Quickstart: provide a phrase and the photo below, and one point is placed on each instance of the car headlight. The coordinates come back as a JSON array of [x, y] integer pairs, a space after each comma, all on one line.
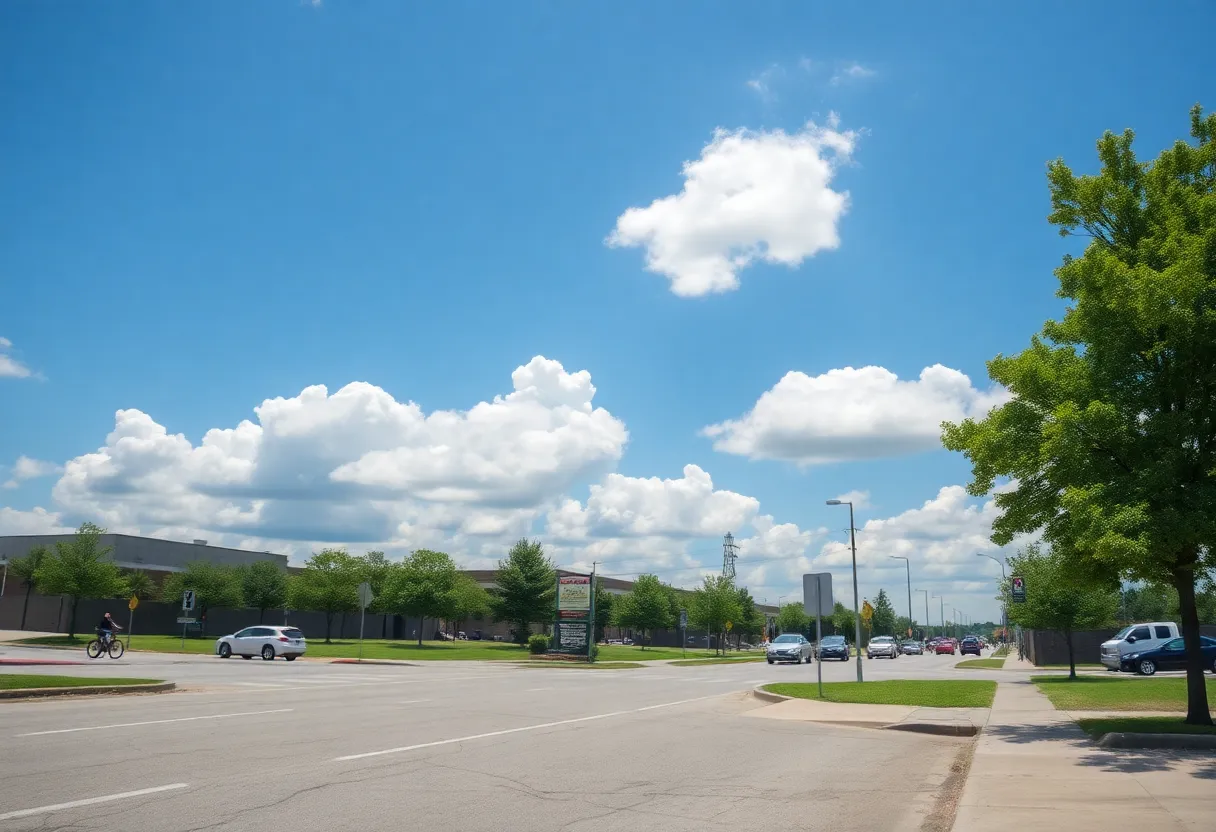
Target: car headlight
[[1132, 656]]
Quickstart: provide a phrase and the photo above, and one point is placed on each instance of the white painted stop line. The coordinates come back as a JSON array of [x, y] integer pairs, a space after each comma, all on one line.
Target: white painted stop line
[[74, 804]]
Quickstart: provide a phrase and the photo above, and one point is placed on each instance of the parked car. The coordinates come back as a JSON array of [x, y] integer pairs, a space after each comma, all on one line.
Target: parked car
[[1136, 638], [266, 642], [912, 648], [970, 645], [832, 647], [944, 646], [1169, 656], [788, 647], [883, 647]]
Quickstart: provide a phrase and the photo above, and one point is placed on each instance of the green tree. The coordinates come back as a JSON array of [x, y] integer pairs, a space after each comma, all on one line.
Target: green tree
[[527, 583], [328, 583], [751, 621], [376, 568], [791, 618], [844, 622], [263, 586], [139, 583], [1108, 439], [79, 568], [1058, 598], [713, 604], [424, 585], [214, 584], [646, 607], [471, 600], [605, 605], [26, 569], [883, 622]]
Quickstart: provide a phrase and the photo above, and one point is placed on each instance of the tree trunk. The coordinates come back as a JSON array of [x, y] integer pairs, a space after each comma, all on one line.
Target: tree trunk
[[1197, 711], [421, 628], [261, 615], [329, 620], [76, 602], [1072, 662], [29, 587]]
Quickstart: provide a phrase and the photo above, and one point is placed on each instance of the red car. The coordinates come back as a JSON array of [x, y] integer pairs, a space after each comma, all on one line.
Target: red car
[[946, 645]]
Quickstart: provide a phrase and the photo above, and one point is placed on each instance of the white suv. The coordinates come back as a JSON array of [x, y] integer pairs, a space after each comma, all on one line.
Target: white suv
[[884, 646], [263, 641]]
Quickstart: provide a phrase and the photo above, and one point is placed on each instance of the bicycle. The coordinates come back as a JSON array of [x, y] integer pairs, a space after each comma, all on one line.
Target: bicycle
[[111, 646]]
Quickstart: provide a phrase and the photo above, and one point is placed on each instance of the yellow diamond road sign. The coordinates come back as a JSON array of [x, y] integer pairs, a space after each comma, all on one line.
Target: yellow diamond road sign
[[867, 611], [729, 624], [133, 603]]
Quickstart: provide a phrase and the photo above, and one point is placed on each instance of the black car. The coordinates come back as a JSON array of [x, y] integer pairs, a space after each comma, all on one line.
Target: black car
[[1169, 656], [970, 644], [832, 647]]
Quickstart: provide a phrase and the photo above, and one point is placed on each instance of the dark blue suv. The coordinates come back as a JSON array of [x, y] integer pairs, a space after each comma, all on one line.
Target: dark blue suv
[[832, 647], [970, 644]]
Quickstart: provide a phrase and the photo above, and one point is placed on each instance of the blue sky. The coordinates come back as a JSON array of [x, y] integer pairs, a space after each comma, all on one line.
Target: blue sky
[[209, 205]]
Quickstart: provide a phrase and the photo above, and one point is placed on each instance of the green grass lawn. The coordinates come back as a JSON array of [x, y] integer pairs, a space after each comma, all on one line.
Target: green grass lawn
[[996, 663], [382, 649], [1001, 652], [914, 692], [1141, 725], [719, 660], [1111, 693], [20, 681], [1080, 666]]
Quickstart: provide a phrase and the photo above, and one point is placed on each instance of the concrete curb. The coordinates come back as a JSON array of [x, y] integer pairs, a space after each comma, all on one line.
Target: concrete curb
[[1186, 742], [98, 690], [941, 729], [38, 662]]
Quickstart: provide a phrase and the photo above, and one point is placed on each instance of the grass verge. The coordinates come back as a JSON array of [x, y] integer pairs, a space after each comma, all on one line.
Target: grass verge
[[21, 681], [719, 660], [1110, 693], [975, 663], [381, 649], [920, 693], [1096, 728], [1001, 652], [1080, 666]]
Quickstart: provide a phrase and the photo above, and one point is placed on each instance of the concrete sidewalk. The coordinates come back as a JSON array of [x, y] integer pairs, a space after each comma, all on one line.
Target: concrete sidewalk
[[949, 721], [1035, 769]]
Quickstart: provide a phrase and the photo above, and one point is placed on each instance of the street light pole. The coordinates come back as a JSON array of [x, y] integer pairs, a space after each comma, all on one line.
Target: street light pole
[[1004, 599], [927, 628], [911, 615], [856, 597]]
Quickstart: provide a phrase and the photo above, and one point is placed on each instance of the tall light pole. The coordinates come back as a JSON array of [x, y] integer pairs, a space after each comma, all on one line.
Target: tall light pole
[[856, 597], [942, 611], [1004, 600], [908, 567], [926, 612]]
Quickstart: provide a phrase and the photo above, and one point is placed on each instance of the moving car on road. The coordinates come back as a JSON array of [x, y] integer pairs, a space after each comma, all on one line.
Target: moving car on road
[[266, 642], [944, 646], [1169, 656], [832, 647], [788, 647], [970, 645], [883, 647], [912, 648]]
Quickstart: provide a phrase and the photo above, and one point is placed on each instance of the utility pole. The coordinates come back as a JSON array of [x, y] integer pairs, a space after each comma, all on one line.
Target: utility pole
[[926, 612], [942, 612], [911, 615], [856, 596], [730, 553]]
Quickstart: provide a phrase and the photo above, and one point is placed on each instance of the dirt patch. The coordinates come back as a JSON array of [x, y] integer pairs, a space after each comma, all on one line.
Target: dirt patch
[[945, 803]]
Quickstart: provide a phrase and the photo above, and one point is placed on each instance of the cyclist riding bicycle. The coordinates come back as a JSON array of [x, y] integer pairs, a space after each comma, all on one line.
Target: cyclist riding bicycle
[[105, 630]]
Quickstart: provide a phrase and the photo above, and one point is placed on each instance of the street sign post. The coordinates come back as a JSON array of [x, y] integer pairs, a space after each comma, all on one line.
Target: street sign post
[[131, 605], [1017, 592], [573, 629], [187, 606], [817, 601], [365, 598]]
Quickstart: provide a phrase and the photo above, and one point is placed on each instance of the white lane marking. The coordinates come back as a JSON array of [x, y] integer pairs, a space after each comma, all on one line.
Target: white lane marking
[[521, 729], [260, 684], [537, 690], [42, 810], [153, 722]]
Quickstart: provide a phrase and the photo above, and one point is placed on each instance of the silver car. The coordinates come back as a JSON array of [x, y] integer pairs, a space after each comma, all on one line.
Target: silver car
[[882, 646], [789, 647], [264, 641]]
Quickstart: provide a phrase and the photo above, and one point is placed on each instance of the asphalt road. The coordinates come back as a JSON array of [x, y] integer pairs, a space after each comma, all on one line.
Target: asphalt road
[[454, 746]]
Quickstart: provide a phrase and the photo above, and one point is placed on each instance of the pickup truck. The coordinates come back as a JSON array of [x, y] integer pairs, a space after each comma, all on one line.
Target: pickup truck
[[1136, 638]]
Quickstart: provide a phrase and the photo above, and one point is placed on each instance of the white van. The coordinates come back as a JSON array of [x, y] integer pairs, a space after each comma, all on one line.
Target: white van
[[1136, 638]]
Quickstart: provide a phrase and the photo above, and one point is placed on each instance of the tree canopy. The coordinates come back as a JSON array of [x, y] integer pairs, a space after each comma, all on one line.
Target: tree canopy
[[79, 568], [1108, 441], [527, 583], [26, 570], [263, 586], [883, 622], [214, 585], [328, 583], [646, 607], [424, 585], [792, 618], [713, 604]]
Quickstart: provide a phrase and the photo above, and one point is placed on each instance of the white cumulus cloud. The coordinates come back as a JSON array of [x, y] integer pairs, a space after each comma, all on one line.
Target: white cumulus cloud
[[26, 468], [851, 414], [9, 366], [851, 71], [752, 196]]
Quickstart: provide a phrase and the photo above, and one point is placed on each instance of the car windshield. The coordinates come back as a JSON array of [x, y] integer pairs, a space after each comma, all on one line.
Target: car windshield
[[833, 641], [786, 639], [881, 640], [1123, 632]]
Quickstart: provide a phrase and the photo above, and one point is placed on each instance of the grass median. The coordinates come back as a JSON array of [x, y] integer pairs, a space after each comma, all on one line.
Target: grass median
[[1097, 728], [384, 649], [719, 660], [996, 664], [920, 693], [23, 681], [1111, 693]]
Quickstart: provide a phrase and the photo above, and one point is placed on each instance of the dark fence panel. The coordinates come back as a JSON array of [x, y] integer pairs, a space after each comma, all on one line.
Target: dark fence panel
[[1044, 647]]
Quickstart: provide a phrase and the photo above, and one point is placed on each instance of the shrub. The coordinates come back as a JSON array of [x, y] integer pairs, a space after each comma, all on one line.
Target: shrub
[[538, 644]]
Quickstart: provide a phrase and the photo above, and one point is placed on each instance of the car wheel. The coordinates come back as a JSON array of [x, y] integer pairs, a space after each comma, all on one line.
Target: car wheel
[[225, 651], [267, 653], [1147, 667], [290, 657], [1214, 665], [770, 661]]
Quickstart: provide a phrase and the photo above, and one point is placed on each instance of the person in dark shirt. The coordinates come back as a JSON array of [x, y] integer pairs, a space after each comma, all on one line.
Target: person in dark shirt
[[105, 630]]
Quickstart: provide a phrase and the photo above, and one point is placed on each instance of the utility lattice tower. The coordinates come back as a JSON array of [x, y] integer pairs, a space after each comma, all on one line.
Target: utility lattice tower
[[730, 553]]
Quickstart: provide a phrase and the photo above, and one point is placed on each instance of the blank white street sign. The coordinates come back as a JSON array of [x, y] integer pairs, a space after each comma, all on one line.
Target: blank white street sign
[[365, 594], [817, 594]]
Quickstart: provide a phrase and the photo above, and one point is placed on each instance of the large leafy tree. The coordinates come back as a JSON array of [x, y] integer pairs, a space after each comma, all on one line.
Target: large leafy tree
[[1059, 597], [883, 623], [843, 620], [1109, 440], [791, 618], [376, 568], [424, 585], [79, 568], [471, 600], [605, 606], [215, 585], [527, 583], [328, 583], [264, 586], [139, 583], [751, 620], [646, 607], [25, 569], [713, 604]]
